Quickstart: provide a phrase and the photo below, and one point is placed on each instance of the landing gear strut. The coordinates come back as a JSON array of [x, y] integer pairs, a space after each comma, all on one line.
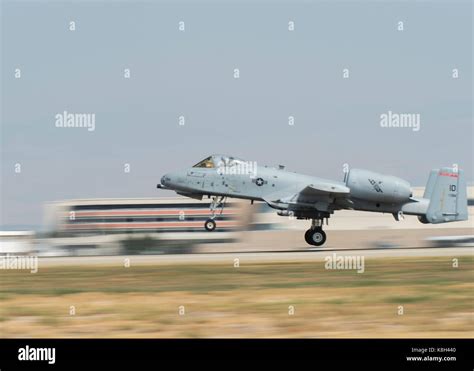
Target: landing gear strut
[[217, 207], [315, 235]]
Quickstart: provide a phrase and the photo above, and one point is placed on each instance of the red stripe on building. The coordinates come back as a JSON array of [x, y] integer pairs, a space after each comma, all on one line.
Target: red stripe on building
[[150, 212], [157, 225]]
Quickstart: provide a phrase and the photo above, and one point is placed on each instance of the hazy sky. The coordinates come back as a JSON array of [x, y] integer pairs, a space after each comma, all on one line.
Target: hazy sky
[[282, 73]]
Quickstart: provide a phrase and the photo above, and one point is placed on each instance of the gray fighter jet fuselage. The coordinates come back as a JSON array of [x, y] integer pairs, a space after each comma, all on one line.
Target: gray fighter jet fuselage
[[308, 197]]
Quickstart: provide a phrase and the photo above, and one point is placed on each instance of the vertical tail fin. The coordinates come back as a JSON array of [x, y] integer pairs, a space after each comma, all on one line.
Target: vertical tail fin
[[431, 183], [447, 192]]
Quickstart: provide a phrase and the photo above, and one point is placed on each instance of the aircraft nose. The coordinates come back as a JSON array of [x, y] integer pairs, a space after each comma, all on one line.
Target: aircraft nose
[[165, 181], [171, 180]]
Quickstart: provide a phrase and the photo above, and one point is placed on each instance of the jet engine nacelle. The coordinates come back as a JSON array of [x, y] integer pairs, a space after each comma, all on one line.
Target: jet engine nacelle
[[370, 186]]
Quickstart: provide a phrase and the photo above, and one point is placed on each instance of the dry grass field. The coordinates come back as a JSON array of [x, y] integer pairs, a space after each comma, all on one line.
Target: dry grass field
[[253, 300]]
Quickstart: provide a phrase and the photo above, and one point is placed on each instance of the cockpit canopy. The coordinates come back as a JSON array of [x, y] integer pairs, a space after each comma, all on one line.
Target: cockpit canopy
[[206, 163], [219, 161]]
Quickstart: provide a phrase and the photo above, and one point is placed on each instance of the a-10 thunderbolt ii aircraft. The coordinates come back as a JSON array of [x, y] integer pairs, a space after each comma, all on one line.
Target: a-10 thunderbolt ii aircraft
[[316, 199]]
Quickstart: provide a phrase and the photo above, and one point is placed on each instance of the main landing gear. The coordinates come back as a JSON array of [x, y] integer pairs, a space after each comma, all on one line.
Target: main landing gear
[[315, 235], [217, 207]]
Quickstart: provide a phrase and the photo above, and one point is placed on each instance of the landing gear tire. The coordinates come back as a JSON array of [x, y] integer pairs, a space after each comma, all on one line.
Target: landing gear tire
[[307, 236], [315, 237], [210, 225]]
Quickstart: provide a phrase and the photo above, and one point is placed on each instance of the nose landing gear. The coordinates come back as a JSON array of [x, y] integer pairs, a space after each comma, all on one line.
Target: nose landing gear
[[315, 235], [217, 207], [210, 225]]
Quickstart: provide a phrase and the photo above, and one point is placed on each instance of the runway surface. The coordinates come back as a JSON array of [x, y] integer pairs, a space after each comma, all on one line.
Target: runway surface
[[252, 257]]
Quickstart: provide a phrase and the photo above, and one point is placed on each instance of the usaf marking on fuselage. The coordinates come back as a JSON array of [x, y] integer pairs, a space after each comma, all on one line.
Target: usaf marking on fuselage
[[316, 199]]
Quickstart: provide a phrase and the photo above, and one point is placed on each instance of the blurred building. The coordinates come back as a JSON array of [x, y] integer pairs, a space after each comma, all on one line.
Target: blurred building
[[158, 215], [106, 226], [16, 242]]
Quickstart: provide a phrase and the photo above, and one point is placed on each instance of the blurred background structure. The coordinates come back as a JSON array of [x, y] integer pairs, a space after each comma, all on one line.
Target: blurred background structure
[[175, 225]]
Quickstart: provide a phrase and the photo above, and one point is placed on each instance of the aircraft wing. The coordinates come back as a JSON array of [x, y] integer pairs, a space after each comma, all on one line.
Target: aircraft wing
[[325, 189], [321, 192]]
